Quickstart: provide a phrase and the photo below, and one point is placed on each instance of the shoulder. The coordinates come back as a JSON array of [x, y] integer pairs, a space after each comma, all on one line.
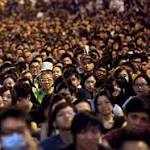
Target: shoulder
[[51, 142]]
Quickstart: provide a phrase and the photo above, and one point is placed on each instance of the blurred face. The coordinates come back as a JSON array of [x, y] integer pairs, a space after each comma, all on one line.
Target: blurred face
[[136, 145], [67, 61], [57, 72], [7, 98], [28, 57], [11, 125], [83, 106], [104, 105], [117, 89], [44, 55], [9, 83], [35, 69], [137, 121], [101, 73], [124, 74], [46, 81], [141, 86], [87, 65], [75, 81], [88, 139], [90, 84], [64, 118], [28, 75], [24, 103]]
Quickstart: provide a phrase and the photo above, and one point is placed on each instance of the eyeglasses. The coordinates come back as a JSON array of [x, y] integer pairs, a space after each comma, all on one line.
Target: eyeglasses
[[46, 80], [140, 85], [61, 114]]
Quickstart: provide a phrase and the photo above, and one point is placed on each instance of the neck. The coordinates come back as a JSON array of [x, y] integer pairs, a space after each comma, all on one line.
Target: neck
[[66, 137]]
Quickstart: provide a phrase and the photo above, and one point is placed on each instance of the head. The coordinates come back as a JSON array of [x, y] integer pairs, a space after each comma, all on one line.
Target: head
[[7, 96], [89, 82], [57, 72], [35, 68], [82, 105], [62, 116], [66, 59], [123, 72], [134, 144], [137, 114], [103, 104], [46, 80], [9, 82], [14, 128], [87, 63], [28, 56], [86, 131], [23, 93], [141, 85]]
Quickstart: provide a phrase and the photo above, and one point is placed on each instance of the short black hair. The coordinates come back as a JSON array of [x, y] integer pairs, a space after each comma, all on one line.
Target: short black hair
[[13, 112], [137, 104], [82, 121], [59, 107], [23, 90]]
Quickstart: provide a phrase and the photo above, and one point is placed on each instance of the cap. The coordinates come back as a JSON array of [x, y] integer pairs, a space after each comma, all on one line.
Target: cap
[[47, 66]]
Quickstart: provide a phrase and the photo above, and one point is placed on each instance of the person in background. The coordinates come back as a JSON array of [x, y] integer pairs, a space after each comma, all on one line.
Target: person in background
[[15, 130], [62, 117]]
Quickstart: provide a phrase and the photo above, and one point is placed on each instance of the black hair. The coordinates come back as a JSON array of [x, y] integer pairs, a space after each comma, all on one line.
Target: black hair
[[66, 55], [23, 90], [34, 61], [137, 104], [15, 113], [82, 121], [59, 107], [143, 75], [102, 93]]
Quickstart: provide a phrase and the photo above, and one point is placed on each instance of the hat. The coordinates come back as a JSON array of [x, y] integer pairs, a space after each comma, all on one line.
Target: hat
[[86, 57], [47, 66]]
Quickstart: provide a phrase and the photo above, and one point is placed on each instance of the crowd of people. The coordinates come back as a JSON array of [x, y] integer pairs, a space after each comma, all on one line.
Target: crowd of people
[[74, 74]]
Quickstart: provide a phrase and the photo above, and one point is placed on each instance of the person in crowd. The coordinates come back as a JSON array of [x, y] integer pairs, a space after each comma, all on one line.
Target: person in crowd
[[62, 117], [104, 111], [87, 133], [15, 130], [137, 115]]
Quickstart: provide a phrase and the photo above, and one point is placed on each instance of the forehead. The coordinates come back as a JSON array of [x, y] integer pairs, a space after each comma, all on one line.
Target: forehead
[[139, 114], [140, 80], [67, 108], [12, 123]]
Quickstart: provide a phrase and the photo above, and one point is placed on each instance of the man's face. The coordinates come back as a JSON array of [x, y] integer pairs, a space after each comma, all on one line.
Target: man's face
[[64, 118], [67, 61], [28, 57], [35, 68], [11, 125], [88, 138], [137, 121], [87, 65], [46, 81]]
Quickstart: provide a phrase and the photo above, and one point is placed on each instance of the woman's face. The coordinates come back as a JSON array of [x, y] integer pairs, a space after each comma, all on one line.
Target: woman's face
[[7, 98], [57, 72], [124, 74], [141, 86], [90, 83], [117, 89], [104, 105]]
